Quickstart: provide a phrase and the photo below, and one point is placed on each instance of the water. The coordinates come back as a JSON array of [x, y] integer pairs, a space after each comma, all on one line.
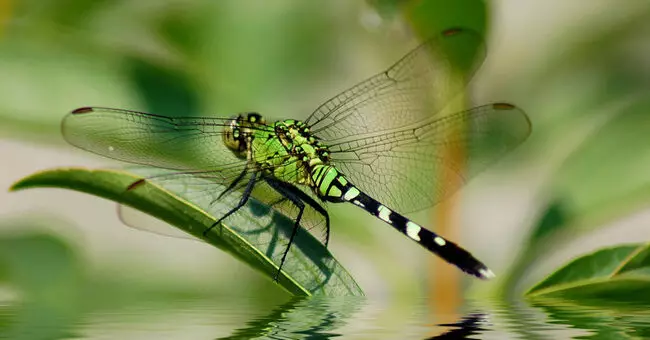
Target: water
[[321, 318]]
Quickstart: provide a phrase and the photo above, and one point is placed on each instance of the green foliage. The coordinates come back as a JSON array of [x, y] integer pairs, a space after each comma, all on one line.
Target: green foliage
[[198, 58], [312, 272], [47, 275], [208, 57], [619, 274], [584, 196], [430, 17], [599, 128], [164, 90]]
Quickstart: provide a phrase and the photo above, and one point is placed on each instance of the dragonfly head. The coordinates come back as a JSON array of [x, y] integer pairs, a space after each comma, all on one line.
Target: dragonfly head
[[237, 133]]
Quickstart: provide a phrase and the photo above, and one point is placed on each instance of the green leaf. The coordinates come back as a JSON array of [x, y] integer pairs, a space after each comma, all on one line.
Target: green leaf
[[587, 192], [309, 270], [585, 182], [618, 274]]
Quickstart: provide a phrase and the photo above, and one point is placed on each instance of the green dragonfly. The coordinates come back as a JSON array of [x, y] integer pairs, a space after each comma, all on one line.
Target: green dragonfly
[[379, 145]]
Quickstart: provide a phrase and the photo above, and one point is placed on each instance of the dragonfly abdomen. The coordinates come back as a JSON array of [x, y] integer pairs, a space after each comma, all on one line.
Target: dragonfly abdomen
[[330, 185], [447, 250]]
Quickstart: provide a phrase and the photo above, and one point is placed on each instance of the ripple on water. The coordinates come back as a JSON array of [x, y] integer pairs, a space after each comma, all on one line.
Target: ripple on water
[[345, 318]]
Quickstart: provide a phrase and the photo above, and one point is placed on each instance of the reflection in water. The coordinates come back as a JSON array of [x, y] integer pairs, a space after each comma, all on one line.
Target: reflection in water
[[328, 318], [464, 329], [320, 318], [558, 319], [302, 318]]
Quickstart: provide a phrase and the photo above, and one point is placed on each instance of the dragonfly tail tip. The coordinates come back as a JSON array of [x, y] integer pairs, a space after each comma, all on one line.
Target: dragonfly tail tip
[[485, 274]]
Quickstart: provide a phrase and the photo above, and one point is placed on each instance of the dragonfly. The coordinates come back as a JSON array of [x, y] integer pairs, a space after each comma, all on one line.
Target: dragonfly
[[381, 145]]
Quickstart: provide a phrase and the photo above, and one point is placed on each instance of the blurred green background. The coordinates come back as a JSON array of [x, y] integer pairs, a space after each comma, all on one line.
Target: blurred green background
[[579, 69]]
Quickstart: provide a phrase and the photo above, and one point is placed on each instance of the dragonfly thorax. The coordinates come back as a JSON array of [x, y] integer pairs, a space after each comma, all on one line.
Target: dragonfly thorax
[[297, 139], [237, 135]]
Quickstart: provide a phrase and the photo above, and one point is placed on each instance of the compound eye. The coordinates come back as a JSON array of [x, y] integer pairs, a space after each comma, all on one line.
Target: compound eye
[[232, 138]]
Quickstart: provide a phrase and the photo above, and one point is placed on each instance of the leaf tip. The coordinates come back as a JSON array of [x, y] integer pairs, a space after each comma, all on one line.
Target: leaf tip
[[18, 185]]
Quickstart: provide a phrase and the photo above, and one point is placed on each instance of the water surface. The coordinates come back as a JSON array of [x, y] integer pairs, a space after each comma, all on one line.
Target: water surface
[[327, 318]]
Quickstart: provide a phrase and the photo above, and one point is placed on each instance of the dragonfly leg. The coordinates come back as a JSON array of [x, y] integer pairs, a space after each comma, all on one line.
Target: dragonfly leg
[[298, 198], [232, 184], [306, 199], [289, 194], [246, 194]]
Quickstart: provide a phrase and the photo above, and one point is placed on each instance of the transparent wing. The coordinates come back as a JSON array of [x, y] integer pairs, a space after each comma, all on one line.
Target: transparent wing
[[191, 183], [266, 221], [416, 166], [183, 143], [417, 87], [136, 219], [207, 187], [312, 221]]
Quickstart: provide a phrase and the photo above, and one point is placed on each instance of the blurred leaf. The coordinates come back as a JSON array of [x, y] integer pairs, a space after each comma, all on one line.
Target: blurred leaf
[[165, 90], [588, 68], [607, 173], [604, 179], [65, 12], [49, 278], [552, 220], [39, 264], [428, 17], [40, 85], [618, 274], [314, 272], [387, 9], [248, 68], [180, 58], [182, 26]]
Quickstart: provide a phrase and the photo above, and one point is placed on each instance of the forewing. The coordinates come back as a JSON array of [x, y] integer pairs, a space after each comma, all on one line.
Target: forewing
[[415, 88], [183, 143], [416, 166]]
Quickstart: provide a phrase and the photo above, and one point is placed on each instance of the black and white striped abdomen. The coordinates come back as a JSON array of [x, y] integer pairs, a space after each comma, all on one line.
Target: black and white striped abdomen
[[330, 185], [448, 250]]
